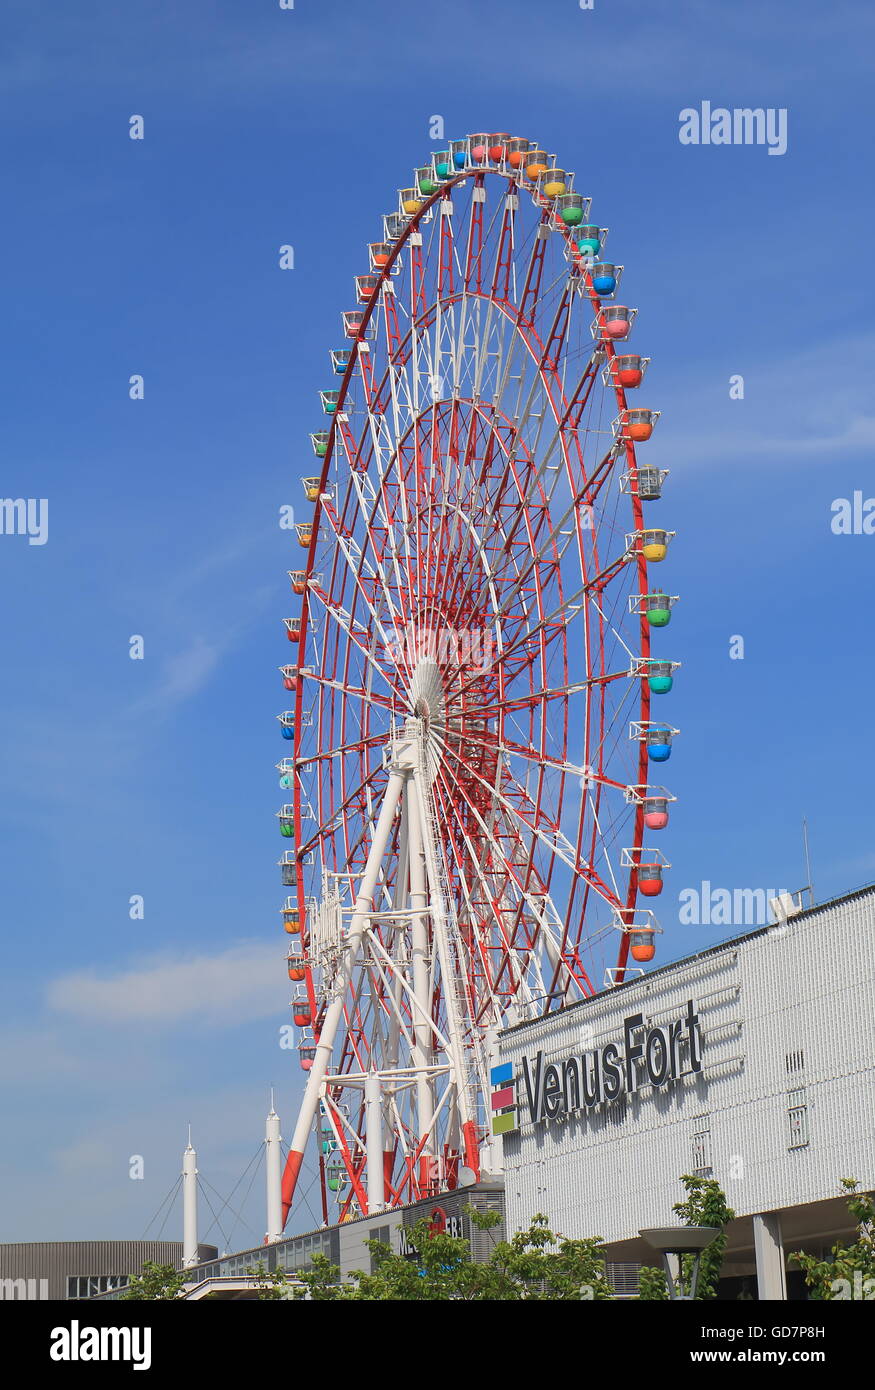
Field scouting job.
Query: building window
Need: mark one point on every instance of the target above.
(623, 1278)
(384, 1234)
(797, 1118)
(701, 1149)
(795, 1062)
(87, 1285)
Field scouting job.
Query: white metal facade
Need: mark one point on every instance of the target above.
(786, 1019)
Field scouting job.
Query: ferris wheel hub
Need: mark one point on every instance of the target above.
(429, 707)
(427, 695)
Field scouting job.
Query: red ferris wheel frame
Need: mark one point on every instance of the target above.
(439, 433)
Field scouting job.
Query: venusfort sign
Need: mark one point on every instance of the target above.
(654, 1054)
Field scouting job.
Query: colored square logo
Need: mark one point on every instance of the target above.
(503, 1099)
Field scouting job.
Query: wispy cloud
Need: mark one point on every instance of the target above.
(183, 676)
(250, 53)
(235, 985)
(793, 409)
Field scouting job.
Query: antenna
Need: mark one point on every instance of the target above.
(807, 862)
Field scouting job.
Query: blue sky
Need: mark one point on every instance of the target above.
(159, 257)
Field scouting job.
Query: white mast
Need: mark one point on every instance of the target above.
(189, 1205)
(274, 1172)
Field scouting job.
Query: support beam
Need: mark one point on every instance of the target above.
(325, 1045)
(423, 1040)
(420, 807)
(374, 1141)
(769, 1248)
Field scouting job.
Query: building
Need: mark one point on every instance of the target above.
(77, 1269)
(345, 1245)
(751, 1062)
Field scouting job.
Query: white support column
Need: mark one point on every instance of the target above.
(360, 920)
(495, 1145)
(422, 1038)
(420, 805)
(273, 1164)
(399, 904)
(189, 1206)
(374, 1141)
(769, 1248)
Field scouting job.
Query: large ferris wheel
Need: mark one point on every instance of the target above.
(471, 791)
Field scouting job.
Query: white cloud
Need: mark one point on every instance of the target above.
(184, 675)
(821, 411)
(242, 983)
(31, 1055)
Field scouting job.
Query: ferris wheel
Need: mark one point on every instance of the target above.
(471, 793)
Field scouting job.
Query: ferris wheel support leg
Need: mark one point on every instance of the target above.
(470, 1146)
(495, 1143)
(334, 1012)
(388, 1173)
(422, 1040)
(374, 1141)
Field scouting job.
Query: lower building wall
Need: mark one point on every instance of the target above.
(446, 1212)
(80, 1268)
(782, 1108)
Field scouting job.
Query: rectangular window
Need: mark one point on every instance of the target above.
(701, 1150)
(797, 1119)
(384, 1234)
(81, 1286)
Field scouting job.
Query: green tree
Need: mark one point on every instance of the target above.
(651, 1284)
(322, 1282)
(156, 1282)
(705, 1205)
(535, 1264)
(538, 1264)
(442, 1269)
(850, 1273)
(272, 1284)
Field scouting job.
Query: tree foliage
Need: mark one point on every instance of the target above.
(705, 1205)
(156, 1282)
(272, 1284)
(534, 1264)
(850, 1272)
(542, 1265)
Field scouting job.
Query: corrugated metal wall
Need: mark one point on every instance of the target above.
(782, 1011)
(56, 1261)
